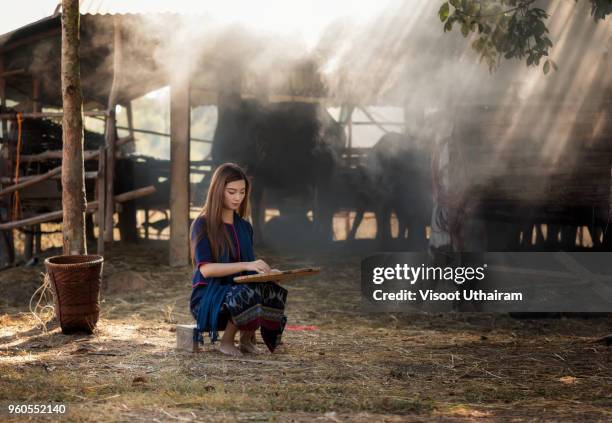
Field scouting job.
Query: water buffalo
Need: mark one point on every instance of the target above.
(290, 150)
(396, 178)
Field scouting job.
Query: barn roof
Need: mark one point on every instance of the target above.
(276, 68)
(148, 59)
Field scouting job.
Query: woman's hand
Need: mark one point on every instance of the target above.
(258, 266)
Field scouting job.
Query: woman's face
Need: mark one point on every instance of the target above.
(233, 194)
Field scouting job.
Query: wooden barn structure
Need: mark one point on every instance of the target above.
(118, 65)
(29, 77)
(507, 176)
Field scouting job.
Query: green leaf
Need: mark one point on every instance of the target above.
(448, 26)
(443, 12)
(546, 67)
(465, 29)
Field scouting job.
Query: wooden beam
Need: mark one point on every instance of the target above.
(380, 123)
(57, 154)
(180, 111)
(161, 134)
(50, 155)
(91, 207)
(30, 182)
(43, 218)
(6, 180)
(282, 98)
(204, 162)
(38, 115)
(369, 116)
(10, 73)
(36, 179)
(134, 194)
(212, 96)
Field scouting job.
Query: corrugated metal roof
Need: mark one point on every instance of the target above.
(113, 7)
(37, 26)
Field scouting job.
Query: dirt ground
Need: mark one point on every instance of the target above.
(336, 363)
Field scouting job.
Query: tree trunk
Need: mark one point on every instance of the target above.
(73, 179)
(180, 106)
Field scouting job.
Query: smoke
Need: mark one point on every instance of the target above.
(510, 122)
(383, 53)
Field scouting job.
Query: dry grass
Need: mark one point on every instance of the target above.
(354, 367)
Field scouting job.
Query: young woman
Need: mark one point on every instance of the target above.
(222, 248)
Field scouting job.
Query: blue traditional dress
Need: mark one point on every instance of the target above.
(215, 300)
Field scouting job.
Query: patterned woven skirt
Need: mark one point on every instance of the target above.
(254, 305)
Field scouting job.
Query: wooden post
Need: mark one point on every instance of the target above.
(349, 151)
(28, 244)
(101, 199)
(31, 249)
(73, 181)
(3, 96)
(146, 222)
(38, 240)
(130, 121)
(127, 213)
(36, 105)
(180, 110)
(111, 133)
(7, 237)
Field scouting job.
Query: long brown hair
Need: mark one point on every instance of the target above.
(218, 236)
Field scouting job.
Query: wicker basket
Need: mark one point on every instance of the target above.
(76, 285)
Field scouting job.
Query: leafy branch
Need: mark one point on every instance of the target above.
(509, 29)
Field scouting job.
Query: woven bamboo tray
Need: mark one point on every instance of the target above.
(278, 276)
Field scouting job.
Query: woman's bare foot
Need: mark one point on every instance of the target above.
(228, 348)
(249, 348)
(247, 343)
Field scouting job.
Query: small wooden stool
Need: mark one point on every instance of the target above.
(184, 338)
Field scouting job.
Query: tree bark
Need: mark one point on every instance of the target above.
(73, 180)
(180, 106)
